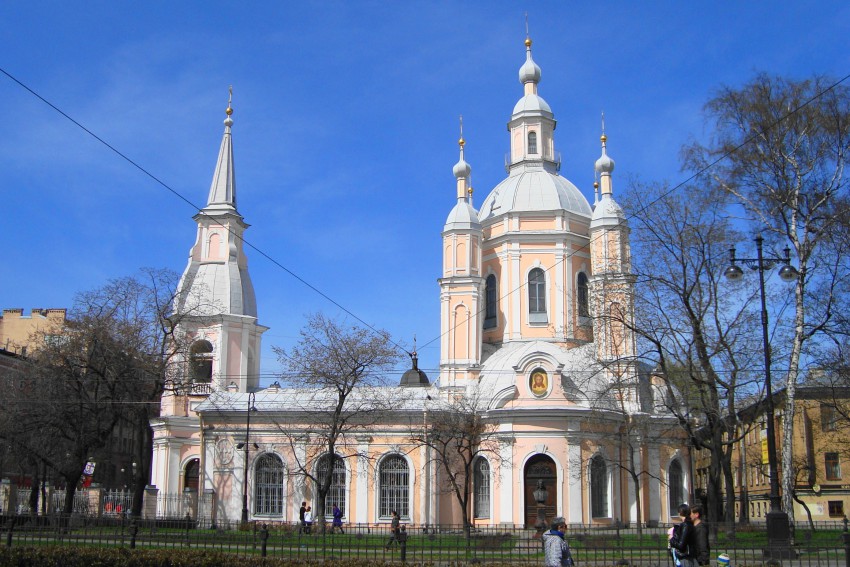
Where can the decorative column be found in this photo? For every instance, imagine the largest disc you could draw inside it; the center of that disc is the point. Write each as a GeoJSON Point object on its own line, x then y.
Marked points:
{"type": "Point", "coordinates": [362, 488]}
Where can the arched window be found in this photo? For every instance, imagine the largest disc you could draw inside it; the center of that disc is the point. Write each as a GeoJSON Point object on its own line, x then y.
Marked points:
{"type": "Point", "coordinates": [336, 493]}
{"type": "Point", "coordinates": [598, 487]}
{"type": "Point", "coordinates": [269, 483]}
{"type": "Point", "coordinates": [201, 361]}
{"type": "Point", "coordinates": [394, 477]}
{"type": "Point", "coordinates": [491, 297]}
{"type": "Point", "coordinates": [536, 296]}
{"type": "Point", "coordinates": [581, 295]}
{"type": "Point", "coordinates": [532, 142]}
{"type": "Point", "coordinates": [481, 486]}
{"type": "Point", "coordinates": [675, 486]}
{"type": "Point", "coordinates": [192, 475]}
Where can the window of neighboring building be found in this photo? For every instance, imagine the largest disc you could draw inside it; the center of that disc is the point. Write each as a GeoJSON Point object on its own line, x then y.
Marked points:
{"type": "Point", "coordinates": [269, 485]}
{"type": "Point", "coordinates": [394, 478]}
{"type": "Point", "coordinates": [532, 142]}
{"type": "Point", "coordinates": [828, 417]}
{"type": "Point", "coordinates": [581, 295]}
{"type": "Point", "coordinates": [598, 487]}
{"type": "Point", "coordinates": [336, 493]}
{"type": "Point", "coordinates": [537, 296]}
{"type": "Point", "coordinates": [481, 486]}
{"type": "Point", "coordinates": [201, 361]}
{"type": "Point", "coordinates": [491, 298]}
{"type": "Point", "coordinates": [836, 508]}
{"type": "Point", "coordinates": [832, 466]}
{"type": "Point", "coordinates": [675, 486]}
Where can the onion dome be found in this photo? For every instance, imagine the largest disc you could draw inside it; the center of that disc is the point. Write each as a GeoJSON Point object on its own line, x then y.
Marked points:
{"type": "Point", "coordinates": [604, 164]}
{"type": "Point", "coordinates": [461, 169]}
{"type": "Point", "coordinates": [530, 71]}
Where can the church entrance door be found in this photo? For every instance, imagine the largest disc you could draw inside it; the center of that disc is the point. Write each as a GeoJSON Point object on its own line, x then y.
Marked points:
{"type": "Point", "coordinates": [540, 467]}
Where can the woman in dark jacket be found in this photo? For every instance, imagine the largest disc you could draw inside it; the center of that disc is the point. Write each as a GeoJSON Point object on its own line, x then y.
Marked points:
{"type": "Point", "coordinates": [681, 543]}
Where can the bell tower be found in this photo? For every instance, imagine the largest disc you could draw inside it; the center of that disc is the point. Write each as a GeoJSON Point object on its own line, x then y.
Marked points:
{"type": "Point", "coordinates": [461, 284]}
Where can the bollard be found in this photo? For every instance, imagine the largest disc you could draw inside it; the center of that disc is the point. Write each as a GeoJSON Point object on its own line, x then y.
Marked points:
{"type": "Point", "coordinates": [134, 531]}
{"type": "Point", "coordinates": [402, 540]}
{"type": "Point", "coordinates": [264, 537]}
{"type": "Point", "coordinates": [188, 520]}
{"type": "Point", "coordinates": [846, 537]}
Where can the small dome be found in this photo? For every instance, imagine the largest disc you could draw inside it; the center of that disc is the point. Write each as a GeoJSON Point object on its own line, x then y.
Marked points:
{"type": "Point", "coordinates": [462, 169]}
{"type": "Point", "coordinates": [530, 71]}
{"type": "Point", "coordinates": [604, 164]}
{"type": "Point", "coordinates": [607, 213]}
{"type": "Point", "coordinates": [462, 217]}
{"type": "Point", "coordinates": [414, 378]}
{"type": "Point", "coordinates": [532, 103]}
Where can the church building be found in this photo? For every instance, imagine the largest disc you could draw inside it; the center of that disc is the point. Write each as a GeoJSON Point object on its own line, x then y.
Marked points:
{"type": "Point", "coordinates": [536, 304]}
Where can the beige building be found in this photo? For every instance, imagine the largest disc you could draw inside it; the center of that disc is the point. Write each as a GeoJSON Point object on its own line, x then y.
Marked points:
{"type": "Point", "coordinates": [21, 334]}
{"type": "Point", "coordinates": [821, 457]}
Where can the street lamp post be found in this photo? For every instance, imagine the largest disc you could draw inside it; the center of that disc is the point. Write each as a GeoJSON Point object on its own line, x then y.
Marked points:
{"type": "Point", "coordinates": [778, 527]}
{"type": "Point", "coordinates": [245, 445]}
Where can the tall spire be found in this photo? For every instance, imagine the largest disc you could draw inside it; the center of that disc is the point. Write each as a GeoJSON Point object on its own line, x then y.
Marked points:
{"type": "Point", "coordinates": [462, 170]}
{"type": "Point", "coordinates": [223, 187]}
{"type": "Point", "coordinates": [605, 165]}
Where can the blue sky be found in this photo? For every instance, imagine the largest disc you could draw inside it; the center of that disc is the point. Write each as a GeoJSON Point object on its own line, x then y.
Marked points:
{"type": "Point", "coordinates": [346, 127]}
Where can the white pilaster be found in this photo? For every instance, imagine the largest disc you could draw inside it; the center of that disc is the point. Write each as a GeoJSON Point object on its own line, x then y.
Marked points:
{"type": "Point", "coordinates": [575, 465]}
{"type": "Point", "coordinates": [506, 481]}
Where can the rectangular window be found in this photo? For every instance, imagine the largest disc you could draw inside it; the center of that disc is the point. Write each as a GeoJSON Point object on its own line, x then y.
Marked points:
{"type": "Point", "coordinates": [832, 466]}
{"type": "Point", "coordinates": [836, 509]}
{"type": "Point", "coordinates": [828, 417]}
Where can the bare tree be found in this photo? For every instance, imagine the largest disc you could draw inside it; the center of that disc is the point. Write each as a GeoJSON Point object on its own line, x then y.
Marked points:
{"type": "Point", "coordinates": [338, 369]}
{"type": "Point", "coordinates": [689, 325]}
{"type": "Point", "coordinates": [457, 434]}
{"type": "Point", "coordinates": [108, 366]}
{"type": "Point", "coordinates": [780, 148]}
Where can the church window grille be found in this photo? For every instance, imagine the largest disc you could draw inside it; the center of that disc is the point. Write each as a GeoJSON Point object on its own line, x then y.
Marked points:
{"type": "Point", "coordinates": [201, 361]}
{"type": "Point", "coordinates": [598, 487]}
{"type": "Point", "coordinates": [481, 485]}
{"type": "Point", "coordinates": [394, 477]}
{"type": "Point", "coordinates": [537, 296]}
{"type": "Point", "coordinates": [269, 483]}
{"type": "Point", "coordinates": [491, 297]}
{"type": "Point", "coordinates": [336, 493]}
{"type": "Point", "coordinates": [582, 295]}
{"type": "Point", "coordinates": [675, 486]}
{"type": "Point", "coordinates": [532, 142]}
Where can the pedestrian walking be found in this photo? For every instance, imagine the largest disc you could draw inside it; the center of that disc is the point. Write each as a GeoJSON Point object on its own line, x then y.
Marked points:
{"type": "Point", "coordinates": [700, 549]}
{"type": "Point", "coordinates": [556, 550]}
{"type": "Point", "coordinates": [681, 541]}
{"type": "Point", "coordinates": [302, 526]}
{"type": "Point", "coordinates": [337, 521]}
{"type": "Point", "coordinates": [308, 520]}
{"type": "Point", "coordinates": [394, 530]}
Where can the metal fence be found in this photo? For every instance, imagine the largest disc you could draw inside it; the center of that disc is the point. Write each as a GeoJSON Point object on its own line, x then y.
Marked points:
{"type": "Point", "coordinates": [434, 544]}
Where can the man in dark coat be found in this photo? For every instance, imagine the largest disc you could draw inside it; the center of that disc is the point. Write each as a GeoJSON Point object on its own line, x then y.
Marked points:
{"type": "Point", "coordinates": [700, 549]}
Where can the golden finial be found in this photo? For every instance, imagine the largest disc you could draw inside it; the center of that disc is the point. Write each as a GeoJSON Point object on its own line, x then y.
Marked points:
{"type": "Point", "coordinates": [229, 110]}
{"type": "Point", "coordinates": [527, 36]}
{"type": "Point", "coordinates": [596, 185]}
{"type": "Point", "coordinates": [469, 191]}
{"type": "Point", "coordinates": [461, 142]}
